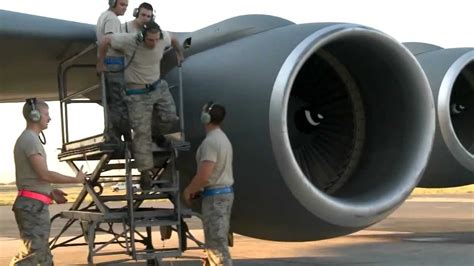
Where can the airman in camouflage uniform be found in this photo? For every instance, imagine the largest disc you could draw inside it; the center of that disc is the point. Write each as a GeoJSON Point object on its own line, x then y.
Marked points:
{"type": "Point", "coordinates": [34, 189]}
{"type": "Point", "coordinates": [158, 104]}
{"type": "Point", "coordinates": [215, 178]}
{"type": "Point", "coordinates": [117, 123]}
{"type": "Point", "coordinates": [32, 217]}
{"type": "Point", "coordinates": [145, 92]}
{"type": "Point", "coordinates": [216, 212]}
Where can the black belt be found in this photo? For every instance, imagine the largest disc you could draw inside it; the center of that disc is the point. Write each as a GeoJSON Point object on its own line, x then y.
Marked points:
{"type": "Point", "coordinates": [148, 88]}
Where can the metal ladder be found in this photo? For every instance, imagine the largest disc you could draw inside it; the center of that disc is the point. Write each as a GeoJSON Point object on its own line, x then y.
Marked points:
{"type": "Point", "coordinates": [164, 218]}
{"type": "Point", "coordinates": [121, 217]}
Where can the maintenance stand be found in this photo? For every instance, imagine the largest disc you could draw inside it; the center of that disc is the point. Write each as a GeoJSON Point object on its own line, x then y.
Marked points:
{"type": "Point", "coordinates": [124, 220]}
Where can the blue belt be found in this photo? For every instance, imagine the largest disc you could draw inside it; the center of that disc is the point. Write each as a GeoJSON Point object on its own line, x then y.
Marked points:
{"type": "Point", "coordinates": [114, 60]}
{"type": "Point", "coordinates": [216, 191]}
{"type": "Point", "coordinates": [147, 89]}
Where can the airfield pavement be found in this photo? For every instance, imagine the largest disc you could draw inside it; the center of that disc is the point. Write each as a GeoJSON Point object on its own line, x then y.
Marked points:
{"type": "Point", "coordinates": [425, 230]}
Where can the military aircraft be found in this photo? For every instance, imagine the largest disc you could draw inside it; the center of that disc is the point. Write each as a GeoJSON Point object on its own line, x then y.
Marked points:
{"type": "Point", "coordinates": [332, 124]}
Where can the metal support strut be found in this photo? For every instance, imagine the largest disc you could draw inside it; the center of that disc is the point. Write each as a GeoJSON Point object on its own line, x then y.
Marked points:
{"type": "Point", "coordinates": [124, 219]}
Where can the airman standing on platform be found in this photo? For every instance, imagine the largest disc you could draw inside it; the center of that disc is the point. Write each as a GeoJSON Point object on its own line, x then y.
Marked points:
{"type": "Point", "coordinates": [107, 24]}
{"type": "Point", "coordinates": [145, 91]}
{"type": "Point", "coordinates": [143, 14]}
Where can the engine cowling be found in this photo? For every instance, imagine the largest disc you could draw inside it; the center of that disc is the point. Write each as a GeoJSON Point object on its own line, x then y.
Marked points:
{"type": "Point", "coordinates": [451, 76]}
{"type": "Point", "coordinates": [332, 125]}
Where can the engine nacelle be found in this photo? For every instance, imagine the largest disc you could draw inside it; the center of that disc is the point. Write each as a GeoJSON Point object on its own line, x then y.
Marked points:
{"type": "Point", "coordinates": [332, 124]}
{"type": "Point", "coordinates": [451, 76]}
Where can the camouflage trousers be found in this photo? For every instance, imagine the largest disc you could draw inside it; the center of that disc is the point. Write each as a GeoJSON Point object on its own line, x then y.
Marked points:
{"type": "Point", "coordinates": [116, 108]}
{"type": "Point", "coordinates": [151, 114]}
{"type": "Point", "coordinates": [216, 212]}
{"type": "Point", "coordinates": [32, 218]}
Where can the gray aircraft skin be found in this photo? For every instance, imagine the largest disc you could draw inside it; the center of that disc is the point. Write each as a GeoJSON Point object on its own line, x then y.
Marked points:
{"type": "Point", "coordinates": [332, 124]}
{"type": "Point", "coordinates": [32, 48]}
{"type": "Point", "coordinates": [451, 76]}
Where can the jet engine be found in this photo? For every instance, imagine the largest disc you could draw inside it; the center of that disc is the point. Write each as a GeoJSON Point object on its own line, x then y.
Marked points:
{"type": "Point", "coordinates": [332, 124]}
{"type": "Point", "coordinates": [451, 76]}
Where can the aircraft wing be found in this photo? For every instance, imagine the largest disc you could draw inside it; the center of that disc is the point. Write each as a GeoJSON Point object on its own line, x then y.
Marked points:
{"type": "Point", "coordinates": [32, 48]}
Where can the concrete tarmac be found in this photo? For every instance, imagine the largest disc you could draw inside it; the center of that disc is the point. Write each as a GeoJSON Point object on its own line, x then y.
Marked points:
{"type": "Point", "coordinates": [425, 230]}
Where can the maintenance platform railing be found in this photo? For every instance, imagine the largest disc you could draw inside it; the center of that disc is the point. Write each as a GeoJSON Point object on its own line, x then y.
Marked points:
{"type": "Point", "coordinates": [125, 220]}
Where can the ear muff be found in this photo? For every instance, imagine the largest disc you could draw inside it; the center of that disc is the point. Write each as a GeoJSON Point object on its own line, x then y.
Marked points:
{"type": "Point", "coordinates": [141, 35]}
{"type": "Point", "coordinates": [136, 12]}
{"type": "Point", "coordinates": [161, 34]}
{"type": "Point", "coordinates": [206, 117]}
{"type": "Point", "coordinates": [34, 114]}
{"type": "Point", "coordinates": [112, 3]}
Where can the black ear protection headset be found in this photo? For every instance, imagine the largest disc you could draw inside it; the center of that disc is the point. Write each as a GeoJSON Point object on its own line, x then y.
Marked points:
{"type": "Point", "coordinates": [136, 12]}
{"type": "Point", "coordinates": [206, 116]}
{"type": "Point", "coordinates": [34, 115]}
{"type": "Point", "coordinates": [142, 34]}
{"type": "Point", "coordinates": [112, 3]}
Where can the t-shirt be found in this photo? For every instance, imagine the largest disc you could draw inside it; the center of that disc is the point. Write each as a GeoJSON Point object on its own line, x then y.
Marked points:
{"type": "Point", "coordinates": [217, 148]}
{"type": "Point", "coordinates": [107, 23]}
{"type": "Point", "coordinates": [145, 66]}
{"type": "Point", "coordinates": [26, 145]}
{"type": "Point", "coordinates": [128, 27]}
